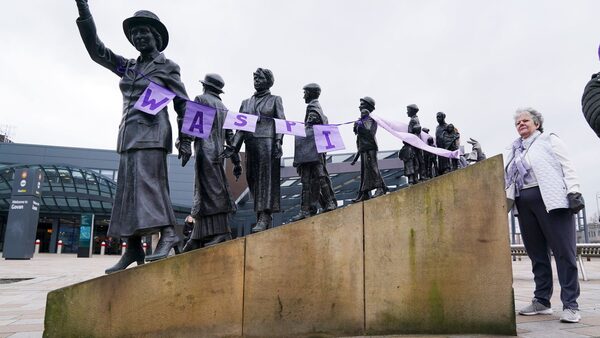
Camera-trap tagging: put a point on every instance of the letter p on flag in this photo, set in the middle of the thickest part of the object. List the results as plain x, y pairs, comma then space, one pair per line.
154, 99
289, 127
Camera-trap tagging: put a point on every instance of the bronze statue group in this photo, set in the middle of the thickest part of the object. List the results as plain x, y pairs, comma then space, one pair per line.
142, 204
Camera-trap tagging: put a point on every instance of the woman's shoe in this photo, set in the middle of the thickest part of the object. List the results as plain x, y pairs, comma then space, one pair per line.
168, 240
133, 253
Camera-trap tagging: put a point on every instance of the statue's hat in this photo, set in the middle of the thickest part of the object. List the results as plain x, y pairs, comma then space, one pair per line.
312, 86
369, 100
413, 107
145, 17
214, 81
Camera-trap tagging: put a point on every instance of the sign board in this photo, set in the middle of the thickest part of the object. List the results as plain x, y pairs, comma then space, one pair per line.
23, 214
86, 232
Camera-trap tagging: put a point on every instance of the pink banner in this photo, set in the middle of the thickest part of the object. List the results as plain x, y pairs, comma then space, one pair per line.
240, 121
328, 138
289, 127
198, 119
400, 130
154, 99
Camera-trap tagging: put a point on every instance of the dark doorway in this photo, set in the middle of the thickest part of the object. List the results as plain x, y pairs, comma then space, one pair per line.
44, 234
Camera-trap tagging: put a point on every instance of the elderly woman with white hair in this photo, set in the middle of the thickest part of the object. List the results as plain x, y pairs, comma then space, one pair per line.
547, 195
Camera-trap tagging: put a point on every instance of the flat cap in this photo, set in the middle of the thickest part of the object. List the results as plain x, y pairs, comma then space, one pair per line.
413, 107
312, 86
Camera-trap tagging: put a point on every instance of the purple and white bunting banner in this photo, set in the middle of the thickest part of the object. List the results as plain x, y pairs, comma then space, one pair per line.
328, 138
289, 127
240, 121
154, 99
400, 130
198, 119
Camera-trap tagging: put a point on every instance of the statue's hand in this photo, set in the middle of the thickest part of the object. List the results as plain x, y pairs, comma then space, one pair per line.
185, 150
277, 152
474, 143
237, 171
227, 152
84, 9
353, 162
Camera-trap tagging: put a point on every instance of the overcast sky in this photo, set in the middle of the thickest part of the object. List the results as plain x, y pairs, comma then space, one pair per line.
477, 61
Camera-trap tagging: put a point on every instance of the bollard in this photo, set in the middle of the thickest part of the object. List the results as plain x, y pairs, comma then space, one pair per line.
123, 248
102, 248
37, 246
145, 246
59, 247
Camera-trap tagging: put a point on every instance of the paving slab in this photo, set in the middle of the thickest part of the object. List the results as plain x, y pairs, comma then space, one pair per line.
53, 271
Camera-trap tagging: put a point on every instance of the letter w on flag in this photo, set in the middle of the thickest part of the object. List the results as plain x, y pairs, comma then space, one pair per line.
154, 99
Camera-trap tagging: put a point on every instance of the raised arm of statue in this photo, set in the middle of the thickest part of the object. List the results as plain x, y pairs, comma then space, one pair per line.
98, 52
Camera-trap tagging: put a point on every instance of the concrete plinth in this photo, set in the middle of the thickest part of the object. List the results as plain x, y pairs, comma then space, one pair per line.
433, 258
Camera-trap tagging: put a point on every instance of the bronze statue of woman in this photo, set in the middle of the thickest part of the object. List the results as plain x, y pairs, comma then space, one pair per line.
142, 204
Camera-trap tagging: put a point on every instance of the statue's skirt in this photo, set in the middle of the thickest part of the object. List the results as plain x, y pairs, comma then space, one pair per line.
142, 204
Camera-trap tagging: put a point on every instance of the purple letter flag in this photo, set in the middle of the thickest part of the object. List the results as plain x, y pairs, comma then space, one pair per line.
198, 119
289, 127
240, 121
328, 138
153, 99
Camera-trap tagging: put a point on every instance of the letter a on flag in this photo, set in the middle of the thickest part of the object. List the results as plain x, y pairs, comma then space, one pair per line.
154, 99
328, 138
289, 127
240, 121
198, 119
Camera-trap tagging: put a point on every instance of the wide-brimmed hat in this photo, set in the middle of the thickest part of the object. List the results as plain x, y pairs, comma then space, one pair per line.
214, 81
145, 17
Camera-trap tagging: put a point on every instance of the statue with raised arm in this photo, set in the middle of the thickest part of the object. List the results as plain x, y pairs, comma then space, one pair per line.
142, 204
263, 149
366, 143
213, 204
311, 166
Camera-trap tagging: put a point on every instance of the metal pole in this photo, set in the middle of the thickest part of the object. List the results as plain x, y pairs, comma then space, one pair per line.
597, 207
513, 228
586, 236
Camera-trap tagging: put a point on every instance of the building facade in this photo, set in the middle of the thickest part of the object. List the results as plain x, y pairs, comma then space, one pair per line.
79, 180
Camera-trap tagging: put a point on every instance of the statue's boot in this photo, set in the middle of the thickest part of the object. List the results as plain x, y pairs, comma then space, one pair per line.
168, 240
133, 253
265, 221
362, 196
326, 195
330, 206
192, 244
302, 215
218, 239
379, 192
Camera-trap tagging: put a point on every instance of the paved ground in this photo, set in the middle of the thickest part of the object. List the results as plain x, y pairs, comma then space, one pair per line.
22, 303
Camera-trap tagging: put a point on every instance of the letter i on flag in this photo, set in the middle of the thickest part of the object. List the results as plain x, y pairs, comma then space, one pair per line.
289, 127
239, 121
328, 138
198, 119
154, 99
